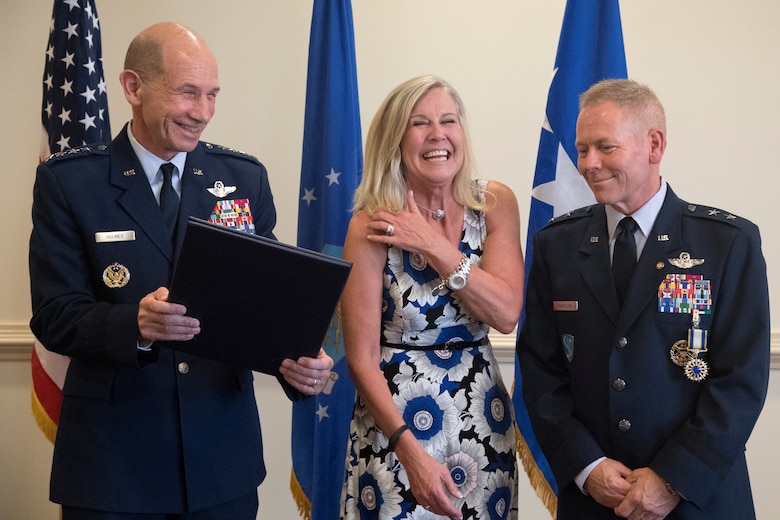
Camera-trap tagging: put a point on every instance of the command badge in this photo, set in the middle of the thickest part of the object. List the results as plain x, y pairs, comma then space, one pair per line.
116, 275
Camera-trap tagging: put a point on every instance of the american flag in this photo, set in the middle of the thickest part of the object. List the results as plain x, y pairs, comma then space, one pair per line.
74, 113
75, 103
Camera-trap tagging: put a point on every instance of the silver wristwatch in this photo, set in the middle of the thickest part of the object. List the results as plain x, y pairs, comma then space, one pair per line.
457, 280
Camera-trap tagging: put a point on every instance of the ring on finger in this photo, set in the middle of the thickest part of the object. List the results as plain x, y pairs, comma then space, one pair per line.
390, 230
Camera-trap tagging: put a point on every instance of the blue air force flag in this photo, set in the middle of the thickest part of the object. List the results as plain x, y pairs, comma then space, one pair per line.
330, 172
590, 49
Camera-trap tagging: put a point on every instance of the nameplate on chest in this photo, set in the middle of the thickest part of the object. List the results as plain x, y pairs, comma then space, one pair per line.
115, 236
566, 305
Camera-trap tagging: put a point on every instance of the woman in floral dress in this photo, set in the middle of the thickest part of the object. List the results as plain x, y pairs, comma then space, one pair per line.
437, 261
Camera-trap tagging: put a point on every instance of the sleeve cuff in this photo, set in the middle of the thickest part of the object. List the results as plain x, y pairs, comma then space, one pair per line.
583, 475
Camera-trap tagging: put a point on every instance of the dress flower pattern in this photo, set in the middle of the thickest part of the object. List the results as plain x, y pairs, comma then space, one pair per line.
454, 401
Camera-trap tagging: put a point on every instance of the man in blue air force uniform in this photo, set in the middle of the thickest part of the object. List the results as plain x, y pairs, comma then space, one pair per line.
146, 430
643, 409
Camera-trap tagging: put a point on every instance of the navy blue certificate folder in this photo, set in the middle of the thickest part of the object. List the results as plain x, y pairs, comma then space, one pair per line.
258, 300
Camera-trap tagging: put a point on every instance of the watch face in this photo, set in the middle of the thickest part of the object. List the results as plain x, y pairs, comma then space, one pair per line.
457, 281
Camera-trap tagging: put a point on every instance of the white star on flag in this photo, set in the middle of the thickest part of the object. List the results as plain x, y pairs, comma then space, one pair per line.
88, 121
90, 66
308, 196
332, 177
74, 90
64, 115
568, 191
89, 95
322, 412
68, 59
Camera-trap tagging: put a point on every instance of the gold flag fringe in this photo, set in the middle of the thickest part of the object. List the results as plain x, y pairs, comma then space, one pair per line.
47, 426
301, 500
535, 475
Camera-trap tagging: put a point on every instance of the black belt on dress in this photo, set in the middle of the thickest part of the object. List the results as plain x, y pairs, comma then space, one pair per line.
452, 344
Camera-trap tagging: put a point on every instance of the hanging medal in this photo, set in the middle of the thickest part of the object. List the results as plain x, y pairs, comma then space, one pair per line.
688, 294
696, 369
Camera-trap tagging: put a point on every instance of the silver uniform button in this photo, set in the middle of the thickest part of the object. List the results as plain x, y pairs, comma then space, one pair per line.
622, 343
619, 384
624, 425
183, 368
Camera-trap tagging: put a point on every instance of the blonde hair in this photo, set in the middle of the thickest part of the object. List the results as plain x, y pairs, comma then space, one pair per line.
383, 184
639, 100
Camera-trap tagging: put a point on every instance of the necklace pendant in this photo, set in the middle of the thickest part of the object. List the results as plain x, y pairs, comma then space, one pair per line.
439, 214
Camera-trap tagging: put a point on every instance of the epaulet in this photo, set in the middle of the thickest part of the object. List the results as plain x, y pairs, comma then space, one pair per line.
585, 211
216, 148
101, 149
719, 215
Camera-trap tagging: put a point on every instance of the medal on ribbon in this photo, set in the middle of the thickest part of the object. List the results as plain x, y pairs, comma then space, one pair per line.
686, 353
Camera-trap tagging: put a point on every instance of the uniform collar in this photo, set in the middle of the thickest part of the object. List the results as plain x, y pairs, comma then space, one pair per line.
151, 163
644, 216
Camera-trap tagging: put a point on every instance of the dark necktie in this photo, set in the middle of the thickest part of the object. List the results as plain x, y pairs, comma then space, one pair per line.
169, 200
624, 256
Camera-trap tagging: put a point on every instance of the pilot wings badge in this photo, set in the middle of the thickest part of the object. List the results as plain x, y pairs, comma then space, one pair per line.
684, 261
220, 190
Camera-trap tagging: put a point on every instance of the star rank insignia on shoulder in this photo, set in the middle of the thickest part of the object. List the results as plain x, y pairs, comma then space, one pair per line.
577, 213
77, 152
711, 213
216, 148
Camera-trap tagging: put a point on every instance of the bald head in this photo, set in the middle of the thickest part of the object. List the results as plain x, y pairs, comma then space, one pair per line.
171, 81
151, 50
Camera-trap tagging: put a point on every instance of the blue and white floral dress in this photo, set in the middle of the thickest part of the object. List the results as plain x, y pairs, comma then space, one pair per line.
453, 400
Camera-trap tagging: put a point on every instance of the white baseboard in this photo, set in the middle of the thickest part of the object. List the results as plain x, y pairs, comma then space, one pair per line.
16, 344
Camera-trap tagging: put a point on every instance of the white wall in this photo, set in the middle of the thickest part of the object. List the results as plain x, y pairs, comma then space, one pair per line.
713, 63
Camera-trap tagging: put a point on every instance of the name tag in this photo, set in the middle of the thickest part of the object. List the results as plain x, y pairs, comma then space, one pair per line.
115, 236
566, 305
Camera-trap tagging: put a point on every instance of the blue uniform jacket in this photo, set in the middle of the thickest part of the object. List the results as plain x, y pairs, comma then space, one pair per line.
164, 432
599, 381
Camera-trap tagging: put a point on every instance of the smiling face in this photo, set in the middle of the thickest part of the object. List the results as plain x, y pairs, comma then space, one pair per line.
431, 145
171, 108
619, 156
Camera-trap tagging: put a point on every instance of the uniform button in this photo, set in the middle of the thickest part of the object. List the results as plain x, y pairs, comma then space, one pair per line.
624, 425
183, 368
619, 384
622, 342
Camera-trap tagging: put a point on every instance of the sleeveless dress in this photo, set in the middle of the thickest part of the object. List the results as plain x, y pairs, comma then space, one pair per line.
454, 400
